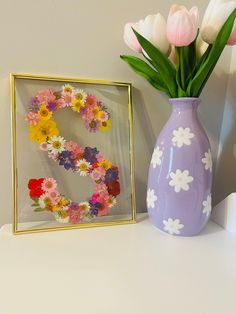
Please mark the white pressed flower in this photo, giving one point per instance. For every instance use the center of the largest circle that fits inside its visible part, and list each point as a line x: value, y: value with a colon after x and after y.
x: 67, y: 88
x: 182, y: 137
x: 80, y: 94
x: 44, y: 200
x: 84, y: 206
x: 56, y: 144
x: 63, y: 219
x: 83, y: 167
x: 172, y: 226
x: 111, y: 201
x: 180, y: 180
x: 156, y: 157
x: 151, y: 198
x: 207, y: 160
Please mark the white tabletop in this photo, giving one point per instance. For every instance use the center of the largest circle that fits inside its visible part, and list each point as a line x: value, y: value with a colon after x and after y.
x: 130, y: 269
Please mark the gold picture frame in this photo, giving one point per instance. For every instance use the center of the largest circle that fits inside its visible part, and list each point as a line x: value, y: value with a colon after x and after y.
x: 18, y: 83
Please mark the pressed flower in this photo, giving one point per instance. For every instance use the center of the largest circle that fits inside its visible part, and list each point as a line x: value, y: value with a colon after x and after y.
x: 84, y: 206
x: 111, y: 201
x: 67, y: 88
x: 76, y: 104
x: 80, y: 95
x: 103, y: 210
x: 92, y: 126
x: 45, y: 96
x: 54, y: 196
x: 94, y: 208
x: 44, y: 113
x: 44, y: 146
x: 43, y: 130
x: 105, y: 164
x: 105, y: 126
x: 83, y: 167
x: 52, y: 106
x: 97, y: 174
x: 49, y: 184
x: 56, y: 144
x: 90, y: 154
x: 66, y: 100
x: 91, y: 101
x: 32, y: 118
x: 113, y: 188
x: 95, y: 111
x: 44, y: 201
x: 102, y: 116
x: 66, y: 160
x: 62, y: 216
x: 35, y: 187
x: 111, y: 174
x: 71, y: 146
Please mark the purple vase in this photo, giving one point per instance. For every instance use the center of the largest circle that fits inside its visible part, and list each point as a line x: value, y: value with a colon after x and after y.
x: 180, y: 173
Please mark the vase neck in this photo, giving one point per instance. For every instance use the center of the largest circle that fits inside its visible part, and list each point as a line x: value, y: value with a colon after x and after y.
x: 180, y: 105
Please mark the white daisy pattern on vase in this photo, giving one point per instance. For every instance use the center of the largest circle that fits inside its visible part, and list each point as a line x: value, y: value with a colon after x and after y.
x: 180, y: 180
x: 156, y: 157
x: 182, y: 137
x: 207, y: 160
x: 207, y: 206
x: 151, y: 198
x: 172, y: 226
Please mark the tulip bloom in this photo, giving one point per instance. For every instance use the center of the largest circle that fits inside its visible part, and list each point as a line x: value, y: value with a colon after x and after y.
x: 182, y: 25
x: 130, y: 38
x: 153, y: 28
x: 216, y: 14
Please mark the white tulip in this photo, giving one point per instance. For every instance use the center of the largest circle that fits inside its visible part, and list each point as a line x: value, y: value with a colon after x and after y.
x: 153, y: 28
x: 216, y: 14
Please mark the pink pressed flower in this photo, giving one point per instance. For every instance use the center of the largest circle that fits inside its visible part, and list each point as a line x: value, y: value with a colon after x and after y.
x: 91, y: 101
x: 44, y: 146
x: 89, y: 115
x: 103, y: 116
x: 100, y: 157
x: 101, y: 188
x: 94, y: 198
x: 104, y: 208
x: 45, y: 96
x: 32, y: 118
x: 49, y: 184
x: 77, y: 153
x: 75, y: 216
x: 92, y: 126
x: 53, y: 156
x: 53, y: 196
x: 98, y: 173
x: 71, y: 146
x: 66, y: 100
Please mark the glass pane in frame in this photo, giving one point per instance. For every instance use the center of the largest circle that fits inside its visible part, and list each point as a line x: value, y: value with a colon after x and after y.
x: 89, y: 164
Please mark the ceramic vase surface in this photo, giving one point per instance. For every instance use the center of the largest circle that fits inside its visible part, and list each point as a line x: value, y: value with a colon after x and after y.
x: 180, y: 173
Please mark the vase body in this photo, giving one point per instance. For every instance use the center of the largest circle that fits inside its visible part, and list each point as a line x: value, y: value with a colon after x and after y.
x: 180, y: 173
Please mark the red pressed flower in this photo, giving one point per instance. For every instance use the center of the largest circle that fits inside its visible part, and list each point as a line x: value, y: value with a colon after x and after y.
x: 35, y: 183
x: 34, y: 186
x: 113, y: 188
x: 95, y: 165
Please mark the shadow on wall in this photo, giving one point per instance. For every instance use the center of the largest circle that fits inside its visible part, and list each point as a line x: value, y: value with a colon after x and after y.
x: 225, y: 178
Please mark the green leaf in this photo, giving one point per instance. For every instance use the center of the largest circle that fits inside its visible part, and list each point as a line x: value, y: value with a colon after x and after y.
x: 198, y: 82
x: 39, y: 209
x: 161, y: 63
x: 143, y: 69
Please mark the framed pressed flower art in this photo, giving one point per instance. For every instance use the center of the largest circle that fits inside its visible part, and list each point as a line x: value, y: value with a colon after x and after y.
x: 72, y: 153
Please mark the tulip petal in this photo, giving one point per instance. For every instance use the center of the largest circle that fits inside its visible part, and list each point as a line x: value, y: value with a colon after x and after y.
x: 130, y: 38
x: 232, y: 38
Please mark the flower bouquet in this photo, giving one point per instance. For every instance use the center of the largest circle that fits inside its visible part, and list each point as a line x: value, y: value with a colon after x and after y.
x: 178, y: 59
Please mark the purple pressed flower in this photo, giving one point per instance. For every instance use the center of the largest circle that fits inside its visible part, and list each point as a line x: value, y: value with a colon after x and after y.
x: 90, y: 154
x: 83, y: 110
x: 111, y: 174
x: 74, y: 206
x: 94, y: 208
x: 65, y: 160
x: 34, y: 104
x: 92, y: 126
x: 52, y: 106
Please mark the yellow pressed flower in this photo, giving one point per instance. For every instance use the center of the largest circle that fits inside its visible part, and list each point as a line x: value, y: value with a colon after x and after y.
x: 43, y: 130
x: 95, y: 112
x: 105, y: 126
x: 76, y: 104
x: 44, y: 113
x: 62, y: 202
x: 105, y: 164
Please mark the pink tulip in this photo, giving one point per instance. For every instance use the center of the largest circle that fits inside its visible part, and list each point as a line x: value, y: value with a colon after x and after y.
x: 232, y: 38
x: 182, y: 25
x: 130, y: 38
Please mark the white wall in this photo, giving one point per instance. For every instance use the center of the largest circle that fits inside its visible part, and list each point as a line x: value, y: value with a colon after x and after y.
x: 84, y: 39
x: 225, y: 182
